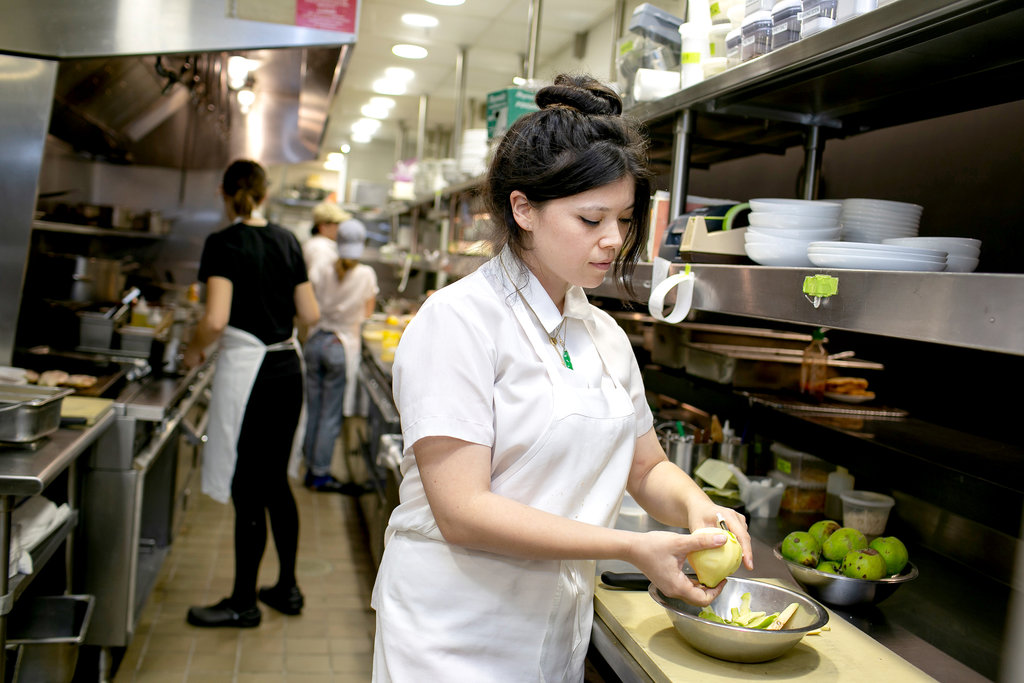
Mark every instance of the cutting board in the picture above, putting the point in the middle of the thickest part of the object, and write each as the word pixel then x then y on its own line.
pixel 843 653
pixel 84 407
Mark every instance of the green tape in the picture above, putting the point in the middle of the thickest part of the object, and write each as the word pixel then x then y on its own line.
pixel 821 285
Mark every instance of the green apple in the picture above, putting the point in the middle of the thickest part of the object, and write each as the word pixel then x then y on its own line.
pixel 801 547
pixel 893 552
pixel 863 564
pixel 841 542
pixel 823 529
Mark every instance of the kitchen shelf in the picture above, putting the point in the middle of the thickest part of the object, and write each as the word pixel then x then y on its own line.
pixel 906 61
pixel 92 231
pixel 41 554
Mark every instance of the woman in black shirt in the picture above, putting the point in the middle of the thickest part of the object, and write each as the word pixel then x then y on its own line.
pixel 256 287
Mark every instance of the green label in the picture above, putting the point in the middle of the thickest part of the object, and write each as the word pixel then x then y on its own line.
pixel 690 58
pixel 784 466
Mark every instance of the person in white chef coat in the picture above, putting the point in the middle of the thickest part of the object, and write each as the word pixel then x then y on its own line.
pixel 524 421
pixel 256 290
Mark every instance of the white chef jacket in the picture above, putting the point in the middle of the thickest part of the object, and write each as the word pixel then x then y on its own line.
pixel 318 250
pixel 471 382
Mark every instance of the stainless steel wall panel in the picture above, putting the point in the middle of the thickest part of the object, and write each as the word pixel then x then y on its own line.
pixel 26 90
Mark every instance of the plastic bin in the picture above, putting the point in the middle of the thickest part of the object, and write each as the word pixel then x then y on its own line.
pixel 762 496
pixel 43 637
pixel 786 23
pixel 656 24
pixel 757 35
pixel 866 511
pixel 800 465
pixel 800 495
pixel 817 16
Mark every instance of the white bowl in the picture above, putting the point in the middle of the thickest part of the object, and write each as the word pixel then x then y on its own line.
pixel 880 249
pixel 798 233
pixel 961 264
pixel 778 254
pixel 761 219
pixel 955 246
pixel 883 205
pixel 757 238
pixel 805 207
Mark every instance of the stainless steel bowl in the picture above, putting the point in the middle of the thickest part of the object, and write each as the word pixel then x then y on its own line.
pixel 843 591
pixel 735 643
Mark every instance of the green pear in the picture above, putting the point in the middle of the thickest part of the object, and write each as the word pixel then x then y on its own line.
pixel 893 552
pixel 801 547
pixel 863 564
pixel 828 567
pixel 714 564
pixel 823 529
pixel 841 542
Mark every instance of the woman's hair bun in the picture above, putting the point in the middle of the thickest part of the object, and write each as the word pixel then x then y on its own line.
pixel 582 93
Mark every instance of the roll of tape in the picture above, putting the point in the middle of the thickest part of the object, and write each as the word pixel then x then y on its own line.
pixel 684 297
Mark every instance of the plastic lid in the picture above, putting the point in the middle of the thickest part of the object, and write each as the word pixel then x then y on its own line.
pixel 734 34
pixel 759 15
pixel 782 5
pixel 867 499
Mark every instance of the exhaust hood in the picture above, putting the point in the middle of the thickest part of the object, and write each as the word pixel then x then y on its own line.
pixel 147 83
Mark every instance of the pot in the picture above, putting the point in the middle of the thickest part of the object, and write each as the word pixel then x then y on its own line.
pixel 98 279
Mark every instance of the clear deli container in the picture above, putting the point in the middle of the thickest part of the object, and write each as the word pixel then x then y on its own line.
pixel 866 511
pixel 817 16
pixel 733 40
pixel 757 35
pixel 800 495
pixel 786 23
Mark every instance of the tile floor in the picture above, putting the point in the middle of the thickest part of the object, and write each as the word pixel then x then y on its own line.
pixel 332 640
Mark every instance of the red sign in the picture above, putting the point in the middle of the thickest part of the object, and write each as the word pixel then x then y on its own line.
pixel 330 15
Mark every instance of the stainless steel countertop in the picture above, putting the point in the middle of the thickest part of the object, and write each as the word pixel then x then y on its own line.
pixel 27 471
pixel 152 398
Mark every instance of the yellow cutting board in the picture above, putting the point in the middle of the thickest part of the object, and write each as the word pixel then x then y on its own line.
pixel 84 407
pixel 843 653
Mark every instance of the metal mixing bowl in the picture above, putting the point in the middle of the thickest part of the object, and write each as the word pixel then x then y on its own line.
pixel 843 591
pixel 735 643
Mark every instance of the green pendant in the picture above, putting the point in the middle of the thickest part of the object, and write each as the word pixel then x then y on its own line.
pixel 565 359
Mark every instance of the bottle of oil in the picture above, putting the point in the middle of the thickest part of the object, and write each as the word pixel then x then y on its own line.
pixel 814 366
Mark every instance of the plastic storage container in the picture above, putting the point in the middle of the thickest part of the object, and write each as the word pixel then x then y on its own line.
pixel 814 367
pixel 757 35
pixel 786 23
pixel 847 9
pixel 838 483
pixel 800 495
pixel 818 15
pixel 866 511
pixel 762 496
pixel 800 465
pixel 716 40
pixel 694 52
pixel 656 24
pixel 758 5
pixel 733 40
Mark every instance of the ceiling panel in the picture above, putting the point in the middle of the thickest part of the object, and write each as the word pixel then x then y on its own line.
pixel 495 34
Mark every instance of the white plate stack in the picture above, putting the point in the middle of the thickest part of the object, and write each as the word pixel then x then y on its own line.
pixel 872 256
pixel 781 229
pixel 874 220
pixel 963 251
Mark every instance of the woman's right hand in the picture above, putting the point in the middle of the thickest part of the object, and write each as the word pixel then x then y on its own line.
pixel 660 556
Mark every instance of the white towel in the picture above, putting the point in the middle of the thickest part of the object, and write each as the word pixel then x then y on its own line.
pixel 31 522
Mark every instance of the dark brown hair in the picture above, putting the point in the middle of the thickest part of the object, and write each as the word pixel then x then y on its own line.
pixel 578 141
pixel 245 185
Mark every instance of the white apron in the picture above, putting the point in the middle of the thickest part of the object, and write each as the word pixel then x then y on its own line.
pixel 239 357
pixel 446 613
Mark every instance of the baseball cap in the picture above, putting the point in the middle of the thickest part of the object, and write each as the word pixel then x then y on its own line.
pixel 351 236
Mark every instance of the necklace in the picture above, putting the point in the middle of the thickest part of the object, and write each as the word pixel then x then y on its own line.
pixel 558 341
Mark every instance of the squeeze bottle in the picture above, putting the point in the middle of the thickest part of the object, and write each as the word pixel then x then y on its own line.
pixel 814 366
pixel 838 482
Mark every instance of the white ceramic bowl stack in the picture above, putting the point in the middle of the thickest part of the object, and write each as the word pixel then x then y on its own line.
pixel 874 220
pixel 963 251
pixel 871 256
pixel 781 229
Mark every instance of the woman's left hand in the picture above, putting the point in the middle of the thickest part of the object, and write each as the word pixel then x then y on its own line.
pixel 705 514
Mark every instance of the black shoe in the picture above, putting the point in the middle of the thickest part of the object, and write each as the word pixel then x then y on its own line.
pixel 285 601
pixel 223 614
pixel 328 484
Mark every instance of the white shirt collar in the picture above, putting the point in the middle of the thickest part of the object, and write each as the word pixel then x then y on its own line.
pixel 536 297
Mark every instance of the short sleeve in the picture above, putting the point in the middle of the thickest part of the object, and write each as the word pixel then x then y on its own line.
pixel 444 374
pixel 294 261
pixel 218 258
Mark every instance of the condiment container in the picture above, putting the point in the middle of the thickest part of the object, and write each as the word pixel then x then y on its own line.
pixel 818 15
pixel 733 40
pixel 800 495
pixel 786 22
pixel 814 366
pixel 838 483
pixel 757 35
pixel 866 511
pixel 847 9
pixel 716 40
pixel 694 52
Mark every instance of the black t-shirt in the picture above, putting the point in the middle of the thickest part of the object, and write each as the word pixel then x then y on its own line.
pixel 264 264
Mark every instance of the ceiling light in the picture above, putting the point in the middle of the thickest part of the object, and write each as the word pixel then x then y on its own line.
pixel 361 137
pixel 386 86
pixel 446 3
pixel 345 148
pixel 366 126
pixel 239 68
pixel 399 73
pixel 409 51
pixel 385 102
pixel 420 20
pixel 335 162
pixel 246 97
pixel 374 112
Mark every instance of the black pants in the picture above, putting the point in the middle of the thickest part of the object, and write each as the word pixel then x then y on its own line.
pixel 260 484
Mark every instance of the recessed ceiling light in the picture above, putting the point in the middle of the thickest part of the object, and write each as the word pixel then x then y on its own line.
pixel 409 51
pixel 446 3
pixel 374 111
pixel 367 126
pixel 385 102
pixel 386 86
pixel 420 20
pixel 399 73
pixel 360 137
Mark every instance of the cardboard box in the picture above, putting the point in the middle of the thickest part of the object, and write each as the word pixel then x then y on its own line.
pixel 505 106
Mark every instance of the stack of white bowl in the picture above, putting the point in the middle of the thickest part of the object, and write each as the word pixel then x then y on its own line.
pixel 963 252
pixel 874 256
pixel 781 229
pixel 874 220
